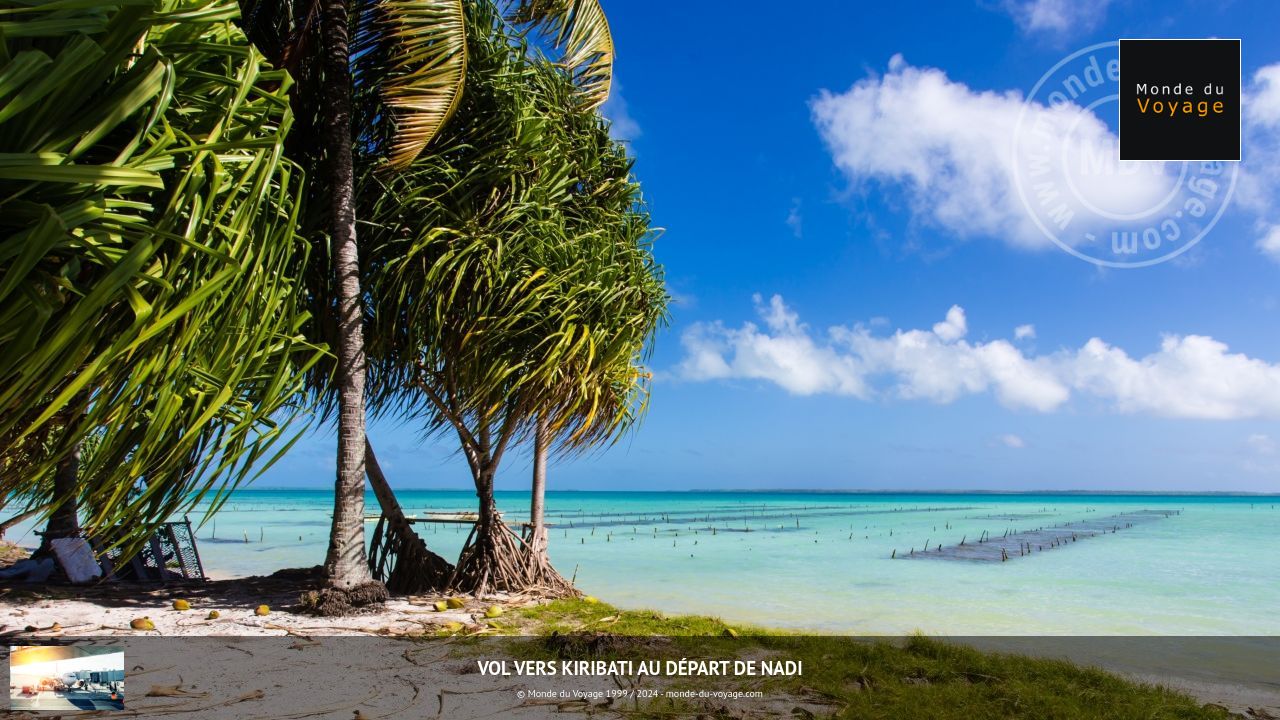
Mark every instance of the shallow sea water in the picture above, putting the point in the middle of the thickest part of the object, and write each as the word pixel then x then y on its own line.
pixel 823 561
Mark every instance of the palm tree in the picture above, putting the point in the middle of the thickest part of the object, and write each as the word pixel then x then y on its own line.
pixel 497 266
pixel 149 266
pixel 405 62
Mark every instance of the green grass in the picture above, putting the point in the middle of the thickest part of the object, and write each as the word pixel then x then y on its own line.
pixel 859 678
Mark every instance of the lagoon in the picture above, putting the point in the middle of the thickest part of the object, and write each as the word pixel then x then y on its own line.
pixel 834 562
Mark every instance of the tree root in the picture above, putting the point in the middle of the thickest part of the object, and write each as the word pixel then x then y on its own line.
pixel 495 559
pixel 540 574
pixel 334 602
pixel 490 560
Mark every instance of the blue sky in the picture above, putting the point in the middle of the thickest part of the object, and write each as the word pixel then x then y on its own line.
pixel 837 167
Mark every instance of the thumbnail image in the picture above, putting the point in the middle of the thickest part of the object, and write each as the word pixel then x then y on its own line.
pixel 66 677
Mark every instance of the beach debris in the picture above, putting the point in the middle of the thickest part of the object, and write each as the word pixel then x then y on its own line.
pixel 213 615
pixel 181 605
pixel 142 623
pixel 173 691
pixel 455 603
pixel 440 605
pixel 261 610
pixel 452 627
pixel 77 559
pixel 34 571
pixel 493 611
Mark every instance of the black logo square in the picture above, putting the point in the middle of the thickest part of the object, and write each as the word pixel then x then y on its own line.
pixel 1180 99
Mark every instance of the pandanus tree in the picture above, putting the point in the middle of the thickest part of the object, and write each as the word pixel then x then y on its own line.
pixel 149 267
pixel 596 396
pixel 500 279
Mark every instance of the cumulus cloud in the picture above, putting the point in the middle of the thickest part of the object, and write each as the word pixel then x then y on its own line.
pixel 1025 332
pixel 1056 16
pixel 1262 102
pixel 1261 443
pixel 1010 440
pixel 953 327
pixel 1260 175
pixel 795 220
pixel 783 353
pixel 1190 376
pixel 951 150
pixel 1269 242
pixel 621 125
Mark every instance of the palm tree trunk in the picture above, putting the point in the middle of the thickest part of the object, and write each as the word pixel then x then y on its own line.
pixel 415 569
pixel 539 573
pixel 537 501
pixel 65 520
pixel 345 566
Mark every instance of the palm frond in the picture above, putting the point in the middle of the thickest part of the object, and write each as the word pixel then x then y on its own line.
pixel 580 31
pixel 426 64
pixel 510 269
pixel 149 259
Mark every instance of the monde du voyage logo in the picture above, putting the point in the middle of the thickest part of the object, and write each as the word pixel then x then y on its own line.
pixel 1180 100
pixel 1157 189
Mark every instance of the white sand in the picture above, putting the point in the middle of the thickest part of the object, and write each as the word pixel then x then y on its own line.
pixel 81 617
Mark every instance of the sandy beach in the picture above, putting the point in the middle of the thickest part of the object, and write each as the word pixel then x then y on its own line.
pixel 31 615
pixel 64 611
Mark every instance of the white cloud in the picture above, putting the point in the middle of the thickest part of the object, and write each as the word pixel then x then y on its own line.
pixel 1261 443
pixel 953 327
pixel 1269 243
pixel 1058 16
pixel 1262 102
pixel 783 353
pixel 1190 376
pixel 1013 441
pixel 622 126
pixel 1025 332
pixel 795 220
pixel 1260 173
pixel 951 150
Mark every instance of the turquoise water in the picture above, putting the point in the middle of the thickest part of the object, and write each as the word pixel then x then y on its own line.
pixel 822 561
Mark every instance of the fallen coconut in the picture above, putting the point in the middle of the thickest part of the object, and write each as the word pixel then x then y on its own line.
pixel 440 605
pixel 493 612
pixel 213 615
pixel 456 603
pixel 142 623
pixel 261 610
pixel 181 605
